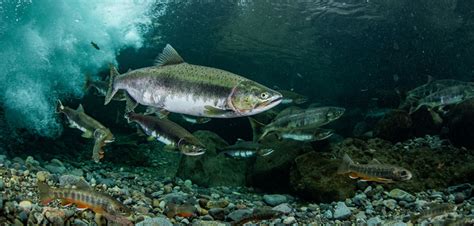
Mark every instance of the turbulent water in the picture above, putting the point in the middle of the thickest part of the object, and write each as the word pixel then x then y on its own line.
pixel 399 72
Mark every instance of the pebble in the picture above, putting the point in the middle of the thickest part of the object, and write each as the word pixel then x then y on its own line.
pixel 374 221
pixel 217 204
pixel 342 211
pixel 465 189
pixel 284 208
pixel 2 185
pixel 218 213
pixel 361 215
pixel 390 203
pixel 25 205
pixel 360 199
pixel 289 220
pixel 274 200
pixel 42 176
pixel 239 214
pixel 328 214
pixel 188 183
pixel 400 195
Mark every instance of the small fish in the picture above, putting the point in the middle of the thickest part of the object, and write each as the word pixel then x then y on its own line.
pixel 90 127
pixel 195 120
pixel 290 97
pixel 444 97
pixel 246 149
pixel 179 87
pixel 374 171
pixel 307 136
pixel 434 210
pixel 169 133
pixel 83 198
pixel 432 86
pixel 95 45
pixel 296 119
pixel 184 210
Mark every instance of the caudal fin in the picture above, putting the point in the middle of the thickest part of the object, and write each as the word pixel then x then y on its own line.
pixel 345 165
pixel 45 195
pixel 111 90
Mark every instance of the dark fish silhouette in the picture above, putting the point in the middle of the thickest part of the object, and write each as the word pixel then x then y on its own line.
pixel 95 45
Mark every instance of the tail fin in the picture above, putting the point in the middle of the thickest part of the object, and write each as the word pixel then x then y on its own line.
pixel 111 90
pixel 344 167
pixel 59 107
pixel 45 195
pixel 87 83
pixel 257 129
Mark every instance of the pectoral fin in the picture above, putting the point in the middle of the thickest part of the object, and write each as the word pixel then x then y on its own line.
pixel 169 148
pixel 87 134
pixel 150 138
pixel 212 111
pixel 130 103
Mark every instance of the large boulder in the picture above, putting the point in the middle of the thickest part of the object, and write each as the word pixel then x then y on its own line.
pixel 272 172
pixel 313 176
pixel 211 169
pixel 395 126
pixel 461 124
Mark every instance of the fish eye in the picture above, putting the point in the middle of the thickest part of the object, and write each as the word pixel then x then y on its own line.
pixel 264 95
pixel 403 173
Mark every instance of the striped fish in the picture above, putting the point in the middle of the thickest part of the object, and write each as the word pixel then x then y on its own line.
pixel 167 132
pixel 83 198
pixel 374 171
pixel 179 87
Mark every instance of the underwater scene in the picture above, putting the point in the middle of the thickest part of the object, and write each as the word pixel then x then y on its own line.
pixel 236 112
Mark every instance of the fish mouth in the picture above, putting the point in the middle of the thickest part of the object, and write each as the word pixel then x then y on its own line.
pixel 272 103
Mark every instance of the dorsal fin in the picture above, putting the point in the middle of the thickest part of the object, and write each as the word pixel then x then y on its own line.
pixel 82 184
pixel 169 56
pixel 80 108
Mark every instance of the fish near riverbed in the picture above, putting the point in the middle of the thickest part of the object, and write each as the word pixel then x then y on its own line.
pixel 374 171
pixel 85 198
pixel 169 133
pixel 179 87
pixel 91 128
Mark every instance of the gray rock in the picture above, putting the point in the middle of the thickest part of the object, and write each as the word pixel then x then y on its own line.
pixel 55 169
pixel 239 214
pixel 284 208
pixel 465 189
pixel 188 183
pixel 374 221
pixel 218 213
pixel 342 211
pixel 77 172
pixel 274 200
pixel 79 222
pixel 289 220
pixel 328 214
pixel 399 224
pixel 161 221
pixel 400 195
pixel 107 181
pixel 361 215
pixel 390 203
pixel 360 199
